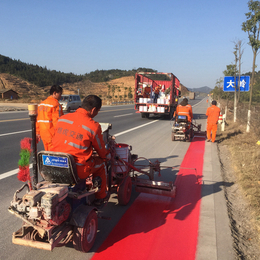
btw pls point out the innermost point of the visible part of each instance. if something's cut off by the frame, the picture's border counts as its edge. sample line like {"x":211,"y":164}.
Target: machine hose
{"x":18,"y":191}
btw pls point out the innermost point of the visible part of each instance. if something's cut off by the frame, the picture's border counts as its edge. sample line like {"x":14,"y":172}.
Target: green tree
{"x":252,"y":27}
{"x":218,"y":90}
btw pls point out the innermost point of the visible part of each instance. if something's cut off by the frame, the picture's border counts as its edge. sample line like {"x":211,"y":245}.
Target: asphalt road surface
{"x":149,"y":138}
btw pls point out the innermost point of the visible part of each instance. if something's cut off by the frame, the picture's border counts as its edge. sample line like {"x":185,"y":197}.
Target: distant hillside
{"x":201,"y":90}
{"x":32,"y":82}
{"x":41,"y":76}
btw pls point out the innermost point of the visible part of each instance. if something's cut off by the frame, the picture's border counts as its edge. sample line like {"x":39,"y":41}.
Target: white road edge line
{"x":10,"y":173}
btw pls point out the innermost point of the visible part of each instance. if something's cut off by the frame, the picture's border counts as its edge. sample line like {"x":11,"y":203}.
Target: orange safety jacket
{"x":147,"y":91}
{"x":157,"y":90}
{"x":213,"y":113}
{"x":77,"y":134}
{"x":49,"y":112}
{"x":184,"y":111}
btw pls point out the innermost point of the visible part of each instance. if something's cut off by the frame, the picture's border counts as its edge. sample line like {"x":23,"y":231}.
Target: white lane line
{"x":132,"y":129}
{"x":10,"y":173}
{"x":15,"y":133}
{"x":124,"y":115}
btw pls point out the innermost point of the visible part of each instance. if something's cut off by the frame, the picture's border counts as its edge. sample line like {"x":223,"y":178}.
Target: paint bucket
{"x":145,"y":108}
{"x":162,"y":109}
{"x":159,"y":109}
{"x":145,"y":100}
{"x":122,"y":150}
{"x":141,"y":100}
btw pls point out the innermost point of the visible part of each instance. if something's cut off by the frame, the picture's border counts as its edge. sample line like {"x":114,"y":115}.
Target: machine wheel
{"x":69,"y":109}
{"x":124,"y":191}
{"x":84,"y":237}
{"x":143,"y":115}
{"x":173,"y":136}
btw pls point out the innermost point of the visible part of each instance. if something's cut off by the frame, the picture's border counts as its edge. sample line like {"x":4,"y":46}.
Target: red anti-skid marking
{"x":157,"y":227}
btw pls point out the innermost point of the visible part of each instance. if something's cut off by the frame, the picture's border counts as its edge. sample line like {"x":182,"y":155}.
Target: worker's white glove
{"x":109,"y":156}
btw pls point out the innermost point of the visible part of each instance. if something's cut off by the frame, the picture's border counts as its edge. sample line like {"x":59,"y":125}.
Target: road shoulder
{"x":214,"y":238}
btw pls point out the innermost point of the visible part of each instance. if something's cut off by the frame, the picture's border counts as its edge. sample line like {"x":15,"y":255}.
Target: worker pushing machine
{"x":212,"y":113}
{"x":184,"y":109}
{"x":78,"y":134}
{"x":49,"y":112}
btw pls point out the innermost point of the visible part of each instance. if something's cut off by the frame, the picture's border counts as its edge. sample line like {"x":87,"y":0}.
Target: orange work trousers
{"x":212,"y":131}
{"x":97,"y":167}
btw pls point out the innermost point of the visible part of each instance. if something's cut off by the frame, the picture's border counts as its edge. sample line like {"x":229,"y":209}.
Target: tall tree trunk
{"x":252,"y":81}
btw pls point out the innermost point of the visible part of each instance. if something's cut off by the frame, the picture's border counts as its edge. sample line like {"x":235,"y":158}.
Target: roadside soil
{"x":6,"y":106}
{"x":242,"y":210}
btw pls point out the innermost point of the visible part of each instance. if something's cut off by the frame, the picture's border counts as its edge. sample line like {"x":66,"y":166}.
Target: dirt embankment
{"x":239,"y":155}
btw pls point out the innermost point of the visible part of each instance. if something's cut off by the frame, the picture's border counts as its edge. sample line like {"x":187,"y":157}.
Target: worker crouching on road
{"x":184,"y":109}
{"x":212,"y":113}
{"x":77,"y":134}
{"x":49,"y":111}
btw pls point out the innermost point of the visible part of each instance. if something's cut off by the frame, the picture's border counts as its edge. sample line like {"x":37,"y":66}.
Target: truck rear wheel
{"x":145,"y":115}
{"x":84,"y":237}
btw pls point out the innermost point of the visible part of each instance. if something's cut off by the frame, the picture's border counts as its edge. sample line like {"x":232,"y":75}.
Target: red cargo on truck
{"x":156,"y":93}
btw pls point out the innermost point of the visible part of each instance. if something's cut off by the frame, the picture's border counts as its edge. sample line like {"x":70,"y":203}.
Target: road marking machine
{"x":183,"y":130}
{"x":60,"y":208}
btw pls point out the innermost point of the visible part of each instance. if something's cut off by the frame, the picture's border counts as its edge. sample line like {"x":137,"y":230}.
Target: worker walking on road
{"x":184,"y":109}
{"x":212,"y":113}
{"x":49,"y":112}
{"x":78,"y":134}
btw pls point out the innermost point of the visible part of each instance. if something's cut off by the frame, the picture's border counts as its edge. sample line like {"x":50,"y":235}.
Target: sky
{"x":194,"y":40}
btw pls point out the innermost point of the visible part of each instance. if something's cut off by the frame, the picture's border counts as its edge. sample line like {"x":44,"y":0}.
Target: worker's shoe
{"x":100,"y":202}
{"x":208,"y":140}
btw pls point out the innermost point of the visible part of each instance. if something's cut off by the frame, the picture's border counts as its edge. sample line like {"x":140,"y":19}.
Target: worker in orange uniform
{"x":147,"y":91}
{"x":77,"y":134}
{"x":184,"y":109}
{"x":157,"y":92}
{"x":212,"y":113}
{"x":49,"y":112}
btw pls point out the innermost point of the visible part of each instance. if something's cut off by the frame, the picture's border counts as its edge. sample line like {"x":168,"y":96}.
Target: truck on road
{"x":192,"y":95}
{"x":156,"y":93}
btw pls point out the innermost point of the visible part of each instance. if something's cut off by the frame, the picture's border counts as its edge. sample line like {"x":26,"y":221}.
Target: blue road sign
{"x":229,"y":83}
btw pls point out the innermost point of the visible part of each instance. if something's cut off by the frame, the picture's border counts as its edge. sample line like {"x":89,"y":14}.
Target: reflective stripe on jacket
{"x":77,"y":134}
{"x":49,"y":112}
{"x":213,"y":113}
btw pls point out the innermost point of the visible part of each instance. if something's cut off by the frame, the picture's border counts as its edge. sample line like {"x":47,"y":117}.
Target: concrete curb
{"x":214,"y":238}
